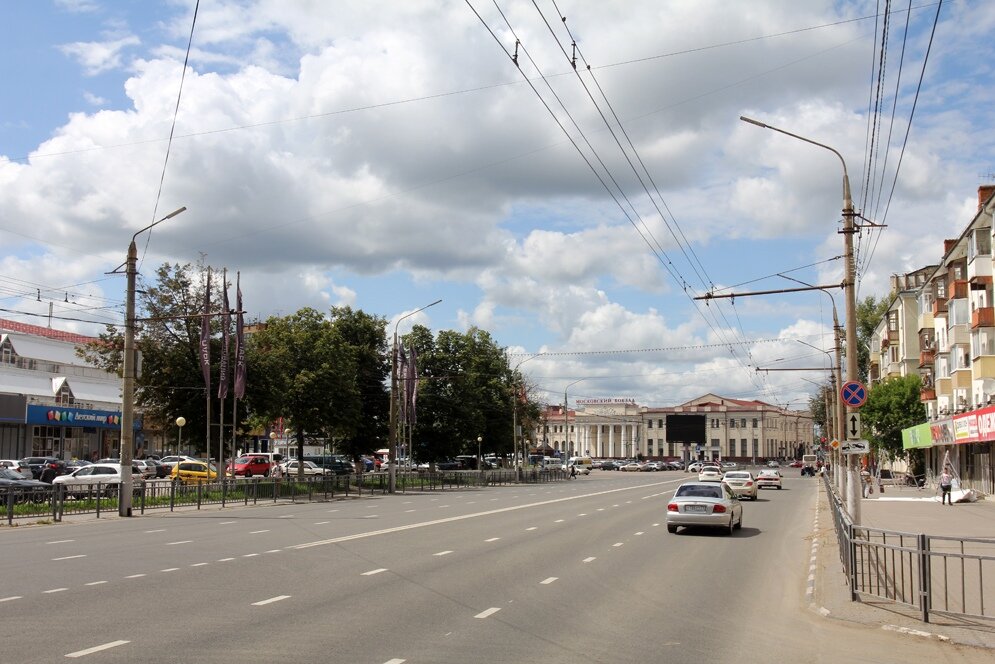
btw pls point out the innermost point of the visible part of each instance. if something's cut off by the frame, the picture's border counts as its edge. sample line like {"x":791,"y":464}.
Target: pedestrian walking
{"x":946,"y":483}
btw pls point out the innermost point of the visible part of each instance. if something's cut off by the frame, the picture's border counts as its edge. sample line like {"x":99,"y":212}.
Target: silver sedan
{"x":706,"y":504}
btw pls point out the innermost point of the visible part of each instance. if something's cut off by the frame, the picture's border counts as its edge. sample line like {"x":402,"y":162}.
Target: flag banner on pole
{"x":402,"y":374}
{"x":412,"y":386}
{"x":205,"y":334}
{"x":225,"y":325}
{"x":239,"y":341}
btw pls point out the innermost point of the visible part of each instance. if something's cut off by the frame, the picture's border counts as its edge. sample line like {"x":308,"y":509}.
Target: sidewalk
{"x":908,"y":510}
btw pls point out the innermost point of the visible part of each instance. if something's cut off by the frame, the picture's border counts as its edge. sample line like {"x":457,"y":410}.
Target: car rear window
{"x":696,"y":491}
{"x":737,"y":476}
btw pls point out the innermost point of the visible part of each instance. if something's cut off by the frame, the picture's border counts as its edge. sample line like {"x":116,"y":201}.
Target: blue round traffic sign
{"x":853,"y":393}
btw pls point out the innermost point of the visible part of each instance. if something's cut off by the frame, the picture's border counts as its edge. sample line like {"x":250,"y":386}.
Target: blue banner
{"x":59,"y":416}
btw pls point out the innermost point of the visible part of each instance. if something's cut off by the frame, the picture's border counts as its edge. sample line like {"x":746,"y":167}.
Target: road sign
{"x":835,"y":444}
{"x":855,"y":447}
{"x":853,"y":393}
{"x":853,"y":426}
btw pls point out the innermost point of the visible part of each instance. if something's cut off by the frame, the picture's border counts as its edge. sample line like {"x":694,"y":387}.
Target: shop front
{"x":75,"y":433}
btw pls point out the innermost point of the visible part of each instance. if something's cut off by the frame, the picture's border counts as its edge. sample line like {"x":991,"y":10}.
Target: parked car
{"x":707,"y":504}
{"x":338,"y":465}
{"x":795,"y":464}
{"x":146,"y":468}
{"x":676,"y":465}
{"x":728,"y":464}
{"x":290,"y":468}
{"x":24,"y":489}
{"x":194,"y":471}
{"x":17,"y":466}
{"x":170,"y":461}
{"x":651,"y":466}
{"x":103,"y":477}
{"x":249,"y":465}
{"x":632,"y":466}
{"x":742,"y":483}
{"x":609,"y":464}
{"x":773,"y":464}
{"x":709,"y":474}
{"x":38,"y":464}
{"x":769,"y":477}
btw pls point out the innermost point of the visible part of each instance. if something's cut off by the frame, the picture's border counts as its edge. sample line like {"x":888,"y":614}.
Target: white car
{"x":290,"y":468}
{"x":707,"y":504}
{"x":709,"y":474}
{"x":769,"y":477}
{"x":103,"y":476}
{"x":742,"y":483}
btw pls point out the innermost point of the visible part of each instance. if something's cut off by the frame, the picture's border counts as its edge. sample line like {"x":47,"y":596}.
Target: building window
{"x":715,"y":423}
{"x":743,"y":451}
{"x":649,"y":447}
{"x":659,"y":424}
{"x":649,"y":424}
{"x":742,"y":423}
{"x":732,"y":423}
{"x":754,"y":423}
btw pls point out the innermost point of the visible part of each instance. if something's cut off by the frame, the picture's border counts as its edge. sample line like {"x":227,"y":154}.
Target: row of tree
{"x":325,"y":375}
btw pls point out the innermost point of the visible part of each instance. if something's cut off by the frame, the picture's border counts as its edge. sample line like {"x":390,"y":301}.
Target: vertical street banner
{"x":239,"y":341}
{"x":402,"y":375}
{"x":205,"y":334}
{"x":225,"y":325}
{"x":411,"y":387}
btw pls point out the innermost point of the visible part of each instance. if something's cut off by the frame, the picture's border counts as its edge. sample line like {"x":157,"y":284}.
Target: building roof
{"x":47,"y":332}
{"x":47,"y":350}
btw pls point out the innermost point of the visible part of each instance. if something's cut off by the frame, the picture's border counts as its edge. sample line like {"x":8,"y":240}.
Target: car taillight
{"x":718,"y":509}
{"x":749,"y":484}
{"x":672,"y":507}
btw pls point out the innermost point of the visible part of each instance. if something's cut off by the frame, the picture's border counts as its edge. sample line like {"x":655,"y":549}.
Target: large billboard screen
{"x":686,"y":429}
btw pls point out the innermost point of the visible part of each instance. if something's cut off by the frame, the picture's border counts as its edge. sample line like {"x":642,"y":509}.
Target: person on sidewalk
{"x":946,"y":483}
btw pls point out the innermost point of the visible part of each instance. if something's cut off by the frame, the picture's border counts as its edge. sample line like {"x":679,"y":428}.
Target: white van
{"x":582,"y":464}
{"x":552,"y":463}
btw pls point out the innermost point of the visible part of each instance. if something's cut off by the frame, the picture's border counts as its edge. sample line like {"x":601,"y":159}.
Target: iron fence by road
{"x":930,"y":574}
{"x":164,"y":494}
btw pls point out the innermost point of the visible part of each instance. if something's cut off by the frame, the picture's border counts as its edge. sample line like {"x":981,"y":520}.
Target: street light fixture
{"x":566,"y":418}
{"x":180,"y":421}
{"x":128,"y":380}
{"x":392,"y":433}
{"x":852,"y":498}
{"x":480,"y":459}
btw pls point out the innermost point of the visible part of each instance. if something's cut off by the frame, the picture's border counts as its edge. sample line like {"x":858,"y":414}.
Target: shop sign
{"x":76,"y":417}
{"x":917,"y":437}
{"x":942,"y":432}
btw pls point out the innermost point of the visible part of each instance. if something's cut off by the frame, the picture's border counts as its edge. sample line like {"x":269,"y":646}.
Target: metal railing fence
{"x":149,"y":495}
{"x":930,"y":574}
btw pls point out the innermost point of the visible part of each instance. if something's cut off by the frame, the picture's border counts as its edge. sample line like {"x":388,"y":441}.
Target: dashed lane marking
{"x":493,"y":539}
{"x":90,"y":651}
{"x":61,"y":541}
{"x":256,"y":532}
{"x":489,"y":612}
{"x":180,"y":542}
{"x":95,"y":583}
{"x":374,"y":571}
{"x":278,"y":598}
{"x":199,"y":564}
{"x":442,"y":553}
{"x":55,"y":590}
{"x":169,"y":569}
{"x":9,"y":599}
{"x":590,"y":559}
{"x":224,"y":560}
{"x":548,"y":581}
{"x":81,"y":555}
{"x":135,"y":576}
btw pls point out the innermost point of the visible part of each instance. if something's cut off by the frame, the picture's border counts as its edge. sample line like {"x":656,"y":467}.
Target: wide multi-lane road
{"x":579,"y":571}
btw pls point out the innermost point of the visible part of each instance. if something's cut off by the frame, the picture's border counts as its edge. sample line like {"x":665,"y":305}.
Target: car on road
{"x":706,"y":504}
{"x":742,"y":483}
{"x":773,"y":464}
{"x":39,"y":464}
{"x":146,"y":468}
{"x":709,"y":474}
{"x":632,"y":466}
{"x":291,"y":467}
{"x":250,"y":465}
{"x":23,"y":488}
{"x":728,"y":464}
{"x":194,"y":471}
{"x":102,"y":477}
{"x":17,"y":466}
{"x":651,"y":466}
{"x":769,"y":477}
{"x":795,"y":464}
{"x":609,"y":464}
{"x":676,"y":465}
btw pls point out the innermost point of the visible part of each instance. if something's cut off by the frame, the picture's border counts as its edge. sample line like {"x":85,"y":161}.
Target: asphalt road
{"x":580,"y":571}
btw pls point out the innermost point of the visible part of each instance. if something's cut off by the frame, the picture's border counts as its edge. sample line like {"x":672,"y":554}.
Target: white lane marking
{"x":9,"y":599}
{"x":199,"y":564}
{"x":225,"y":523}
{"x":249,"y":555}
{"x":61,"y":541}
{"x":224,"y":560}
{"x":473,"y":515}
{"x":55,"y":590}
{"x":180,"y":542}
{"x":371,"y":516}
{"x":169,"y":569}
{"x":617,"y":544}
{"x":272,"y":551}
{"x":271,"y":600}
{"x":321,"y":523}
{"x":442,"y":553}
{"x":407,"y":502}
{"x":472,"y":502}
{"x":640,"y":532}
{"x":95,"y":583}
{"x":395,"y":661}
{"x":548,"y":581}
{"x":590,"y":559}
{"x":655,"y":525}
{"x":532,"y":528}
{"x":135,"y":576}
{"x":81,"y":555}
{"x":488,"y":612}
{"x":330,"y":511}
{"x":582,"y":514}
{"x":158,"y":530}
{"x":90,"y":651}
{"x":559,"y":521}
{"x":441,"y":506}
{"x":409,"y":510}
{"x":256,"y":532}
{"x":493,"y":539}
{"x":374,"y":571}
{"x":601,"y":509}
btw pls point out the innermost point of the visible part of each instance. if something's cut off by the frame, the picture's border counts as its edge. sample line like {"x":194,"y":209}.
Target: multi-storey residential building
{"x":742,"y":430}
{"x":51,"y":402}
{"x":896,"y":344}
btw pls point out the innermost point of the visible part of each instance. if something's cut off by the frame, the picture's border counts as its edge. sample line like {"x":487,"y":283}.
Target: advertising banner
{"x":975,"y":426}
{"x":917,"y":436}
{"x":942,"y":432}
{"x":58,"y":416}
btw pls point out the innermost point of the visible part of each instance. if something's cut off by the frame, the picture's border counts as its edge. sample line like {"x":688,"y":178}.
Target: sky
{"x":384,"y":155}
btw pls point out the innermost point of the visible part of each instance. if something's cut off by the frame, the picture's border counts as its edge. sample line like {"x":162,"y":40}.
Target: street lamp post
{"x":480,"y":465}
{"x":128,"y":379}
{"x":566,"y":419}
{"x":180,"y":421}
{"x":392,"y":433}
{"x":853,"y":498}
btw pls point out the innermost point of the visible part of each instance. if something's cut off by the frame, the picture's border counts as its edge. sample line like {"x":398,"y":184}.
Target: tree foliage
{"x":892,"y":405}
{"x":869,"y":314}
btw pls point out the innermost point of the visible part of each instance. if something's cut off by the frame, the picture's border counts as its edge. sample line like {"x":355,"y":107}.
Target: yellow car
{"x":194,"y":471}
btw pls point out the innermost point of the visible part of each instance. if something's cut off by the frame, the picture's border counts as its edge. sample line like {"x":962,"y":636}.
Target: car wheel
{"x":671,"y":528}
{"x":731,"y":528}
{"x":248,"y":474}
{"x":739,"y":524}
{"x":778,"y":487}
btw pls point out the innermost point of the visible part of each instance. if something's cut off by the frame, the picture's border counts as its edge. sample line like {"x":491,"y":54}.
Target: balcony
{"x":927,"y":394}
{"x":983,"y":317}
{"x":926,"y":358}
{"x":959,"y":290}
{"x":939,"y":306}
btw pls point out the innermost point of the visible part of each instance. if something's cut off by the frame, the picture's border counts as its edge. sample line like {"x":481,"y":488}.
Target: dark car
{"x":337,"y":464}
{"x":22,"y":487}
{"x":608,"y":464}
{"x":37,"y":464}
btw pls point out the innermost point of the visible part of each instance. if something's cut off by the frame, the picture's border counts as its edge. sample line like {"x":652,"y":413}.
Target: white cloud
{"x":98,"y":57}
{"x":93,"y":99}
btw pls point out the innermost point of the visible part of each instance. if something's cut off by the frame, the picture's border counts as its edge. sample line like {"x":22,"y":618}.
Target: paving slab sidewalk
{"x":908,"y":510}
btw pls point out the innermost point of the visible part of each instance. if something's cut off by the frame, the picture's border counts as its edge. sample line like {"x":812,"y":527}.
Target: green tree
{"x":869,"y":314}
{"x":892,"y":405}
{"x":304,"y":371}
{"x":366,"y":335}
